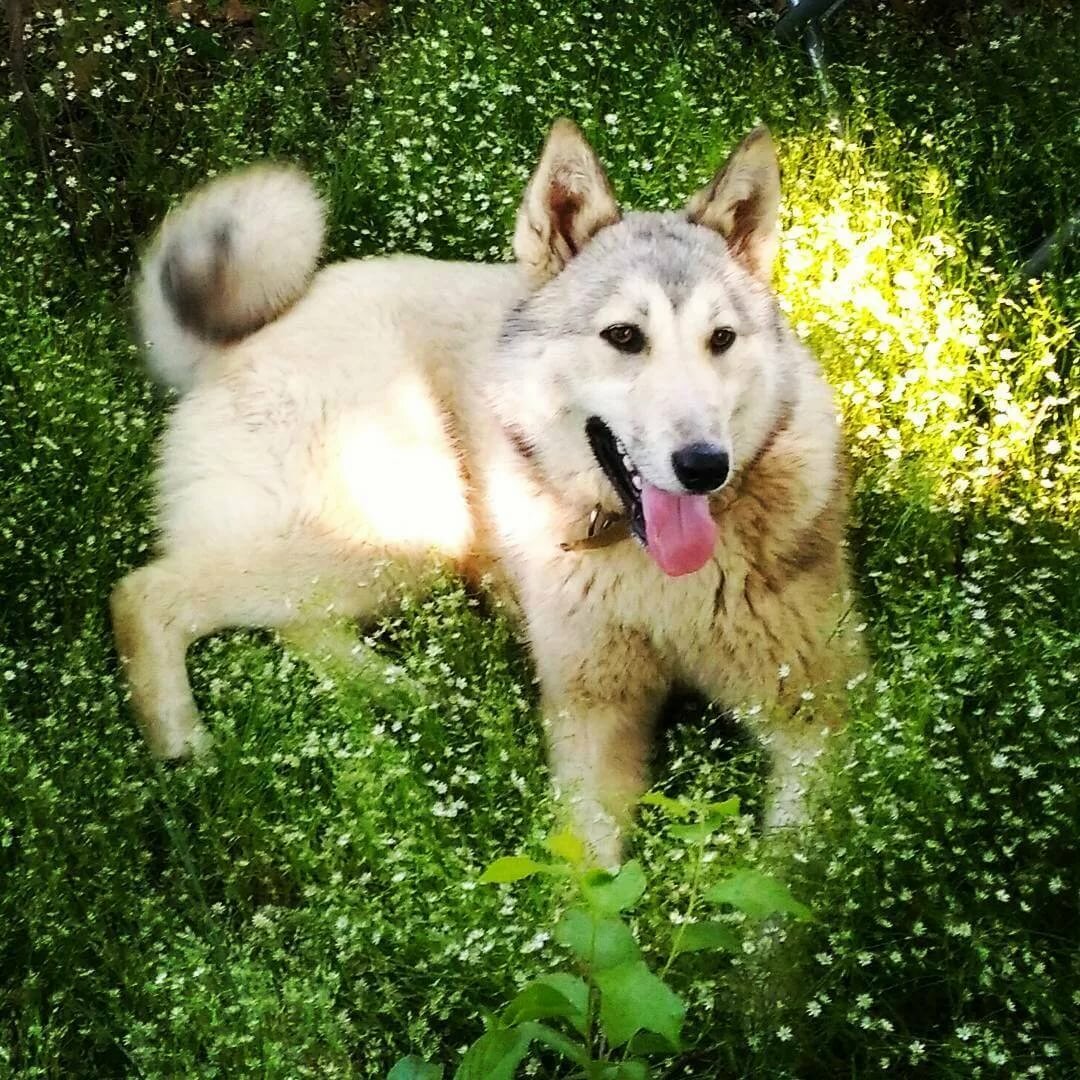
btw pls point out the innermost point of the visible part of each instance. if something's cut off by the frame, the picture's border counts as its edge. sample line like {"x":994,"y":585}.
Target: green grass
{"x":302,"y":904}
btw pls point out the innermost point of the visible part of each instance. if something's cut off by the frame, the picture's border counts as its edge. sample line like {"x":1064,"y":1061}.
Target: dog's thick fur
{"x":342,"y":433}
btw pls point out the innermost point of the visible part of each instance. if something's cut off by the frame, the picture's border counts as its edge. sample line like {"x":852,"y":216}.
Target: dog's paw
{"x":178,"y":738}
{"x":199,"y":741}
{"x":786,"y":808}
{"x":603,"y":839}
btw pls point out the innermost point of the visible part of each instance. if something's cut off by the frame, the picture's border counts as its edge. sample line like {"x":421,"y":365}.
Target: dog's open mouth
{"x":619,"y":469}
{"x":676,"y":530}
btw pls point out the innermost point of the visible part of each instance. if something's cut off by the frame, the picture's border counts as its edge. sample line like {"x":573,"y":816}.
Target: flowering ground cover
{"x":305,"y":902}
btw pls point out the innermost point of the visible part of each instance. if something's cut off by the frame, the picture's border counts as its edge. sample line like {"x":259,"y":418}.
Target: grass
{"x":303,"y":903}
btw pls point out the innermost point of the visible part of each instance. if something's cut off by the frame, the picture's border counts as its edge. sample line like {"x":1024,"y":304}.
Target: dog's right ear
{"x":568,"y":201}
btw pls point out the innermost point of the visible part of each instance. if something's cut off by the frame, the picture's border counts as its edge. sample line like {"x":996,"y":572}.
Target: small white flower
{"x":536,"y":942}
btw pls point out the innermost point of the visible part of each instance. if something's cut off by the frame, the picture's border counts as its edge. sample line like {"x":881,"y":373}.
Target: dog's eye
{"x":625,"y":337}
{"x":723,"y":337}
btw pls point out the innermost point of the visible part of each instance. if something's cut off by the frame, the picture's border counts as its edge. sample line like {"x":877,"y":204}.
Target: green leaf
{"x":495,"y":1055}
{"x":648,"y":1042}
{"x":700,"y":936}
{"x":415,"y":1068}
{"x":758,"y":895}
{"x":631,"y":1070}
{"x":623,"y":1070}
{"x":700,"y":830}
{"x":676,"y":808}
{"x":511,"y":868}
{"x":632,"y":998}
{"x":557,"y":995}
{"x":565,"y":845}
{"x":598,"y":942}
{"x":727,"y":808}
{"x":557,"y":1041}
{"x":609,"y":894}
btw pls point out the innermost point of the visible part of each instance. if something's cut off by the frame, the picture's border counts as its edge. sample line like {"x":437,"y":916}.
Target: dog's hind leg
{"x":160,"y":609}
{"x":152,"y":645}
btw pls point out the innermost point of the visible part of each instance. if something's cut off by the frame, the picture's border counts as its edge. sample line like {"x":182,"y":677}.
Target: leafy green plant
{"x":614,"y":1010}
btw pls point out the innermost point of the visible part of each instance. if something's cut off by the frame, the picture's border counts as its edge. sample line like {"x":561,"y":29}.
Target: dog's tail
{"x":232,"y":257}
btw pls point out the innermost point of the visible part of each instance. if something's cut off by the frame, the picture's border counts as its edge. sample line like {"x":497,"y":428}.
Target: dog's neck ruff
{"x":602,"y":527}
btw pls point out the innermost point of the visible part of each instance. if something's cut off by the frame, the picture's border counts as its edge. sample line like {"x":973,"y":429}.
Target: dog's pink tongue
{"x":679,"y":531}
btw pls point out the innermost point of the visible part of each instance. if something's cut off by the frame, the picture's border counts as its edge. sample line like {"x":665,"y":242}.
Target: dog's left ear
{"x":568,"y":201}
{"x":742,"y":201}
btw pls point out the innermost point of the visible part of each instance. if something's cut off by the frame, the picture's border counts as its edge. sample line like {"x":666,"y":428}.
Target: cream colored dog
{"x":619,"y":431}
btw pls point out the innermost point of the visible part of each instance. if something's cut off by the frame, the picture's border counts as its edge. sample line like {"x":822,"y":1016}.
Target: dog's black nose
{"x":701,"y":467}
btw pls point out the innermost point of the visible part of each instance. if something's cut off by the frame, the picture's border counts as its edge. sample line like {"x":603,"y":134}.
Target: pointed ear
{"x":742,"y":201}
{"x":567,"y":202}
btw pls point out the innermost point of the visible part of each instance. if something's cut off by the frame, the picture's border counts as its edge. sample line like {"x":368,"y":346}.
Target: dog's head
{"x":645,"y":366}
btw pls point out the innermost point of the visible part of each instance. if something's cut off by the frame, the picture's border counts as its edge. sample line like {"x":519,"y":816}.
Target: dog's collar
{"x":603,"y":529}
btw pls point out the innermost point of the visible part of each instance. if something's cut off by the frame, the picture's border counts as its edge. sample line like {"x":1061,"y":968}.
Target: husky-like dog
{"x":620,"y":431}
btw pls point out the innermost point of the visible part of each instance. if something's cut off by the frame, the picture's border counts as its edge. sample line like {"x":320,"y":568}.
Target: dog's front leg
{"x":602,"y":683}
{"x":796,"y":744}
{"x":598,"y":754}
{"x":598,"y":716}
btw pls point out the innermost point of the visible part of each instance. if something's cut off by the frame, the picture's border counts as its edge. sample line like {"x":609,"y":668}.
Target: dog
{"x":618,"y":432}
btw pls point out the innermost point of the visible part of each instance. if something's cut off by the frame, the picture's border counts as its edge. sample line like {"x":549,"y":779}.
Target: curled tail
{"x":231,"y":258}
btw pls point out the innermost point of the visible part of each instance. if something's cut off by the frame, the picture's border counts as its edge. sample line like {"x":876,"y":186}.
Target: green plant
{"x":614,"y":1010}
